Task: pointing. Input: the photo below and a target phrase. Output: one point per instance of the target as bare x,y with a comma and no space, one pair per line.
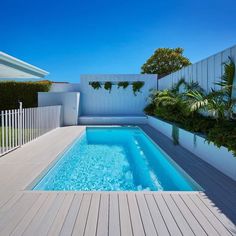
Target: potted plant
137,85
108,86
95,84
123,84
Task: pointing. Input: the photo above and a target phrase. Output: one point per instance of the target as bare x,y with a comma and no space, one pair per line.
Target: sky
73,37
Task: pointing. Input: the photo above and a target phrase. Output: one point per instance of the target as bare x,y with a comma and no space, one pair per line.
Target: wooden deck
24,212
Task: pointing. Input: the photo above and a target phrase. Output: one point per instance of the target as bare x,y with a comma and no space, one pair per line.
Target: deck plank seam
118,202
13,228
150,213
171,214
205,215
108,226
35,214
161,215
182,214
67,214
193,215
90,201
215,214
19,220
27,213
126,196
14,203
118,199
77,214
140,215
58,212
98,214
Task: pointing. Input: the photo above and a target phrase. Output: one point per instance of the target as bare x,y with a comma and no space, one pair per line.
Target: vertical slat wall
119,102
205,72
20,126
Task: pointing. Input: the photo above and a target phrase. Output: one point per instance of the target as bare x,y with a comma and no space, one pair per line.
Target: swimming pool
115,159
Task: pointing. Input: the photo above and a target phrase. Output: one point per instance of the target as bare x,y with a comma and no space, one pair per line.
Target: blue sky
69,38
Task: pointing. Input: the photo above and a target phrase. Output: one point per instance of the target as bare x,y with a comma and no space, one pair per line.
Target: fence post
20,125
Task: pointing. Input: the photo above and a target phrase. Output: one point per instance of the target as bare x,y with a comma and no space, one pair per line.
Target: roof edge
21,64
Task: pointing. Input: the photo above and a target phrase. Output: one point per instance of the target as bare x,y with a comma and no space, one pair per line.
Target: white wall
220,158
206,72
68,100
119,101
65,87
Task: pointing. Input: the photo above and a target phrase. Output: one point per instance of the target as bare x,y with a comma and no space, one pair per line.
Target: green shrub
137,85
12,92
223,135
123,84
95,84
108,86
174,106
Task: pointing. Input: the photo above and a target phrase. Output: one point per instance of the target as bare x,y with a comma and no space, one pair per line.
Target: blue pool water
115,159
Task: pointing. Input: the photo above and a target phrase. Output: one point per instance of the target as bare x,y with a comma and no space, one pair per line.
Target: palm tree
218,103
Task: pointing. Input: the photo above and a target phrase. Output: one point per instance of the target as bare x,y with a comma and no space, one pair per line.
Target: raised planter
220,158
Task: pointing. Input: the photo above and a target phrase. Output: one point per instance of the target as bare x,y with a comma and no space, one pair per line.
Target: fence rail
20,126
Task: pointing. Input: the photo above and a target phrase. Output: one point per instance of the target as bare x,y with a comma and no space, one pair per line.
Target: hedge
11,92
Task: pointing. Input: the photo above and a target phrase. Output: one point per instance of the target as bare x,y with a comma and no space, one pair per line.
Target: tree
165,61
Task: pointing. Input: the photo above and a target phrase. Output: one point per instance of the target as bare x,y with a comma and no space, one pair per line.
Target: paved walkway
24,212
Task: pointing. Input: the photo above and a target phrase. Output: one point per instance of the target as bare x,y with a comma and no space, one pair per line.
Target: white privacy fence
206,72
20,126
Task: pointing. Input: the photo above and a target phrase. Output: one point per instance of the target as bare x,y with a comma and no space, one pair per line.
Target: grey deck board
48,219
25,212
70,219
80,224
215,222
125,221
92,220
172,226
210,230
62,213
102,225
157,218
114,215
38,218
178,216
147,220
14,216
23,224
136,221
212,181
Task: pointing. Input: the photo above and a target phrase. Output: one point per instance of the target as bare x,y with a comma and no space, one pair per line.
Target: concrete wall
220,158
119,101
69,102
206,72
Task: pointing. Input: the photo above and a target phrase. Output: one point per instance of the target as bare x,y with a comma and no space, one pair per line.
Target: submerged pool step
111,120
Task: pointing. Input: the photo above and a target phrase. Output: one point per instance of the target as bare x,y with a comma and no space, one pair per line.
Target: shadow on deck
219,188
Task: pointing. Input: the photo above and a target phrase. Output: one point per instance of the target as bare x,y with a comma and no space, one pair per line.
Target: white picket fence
20,126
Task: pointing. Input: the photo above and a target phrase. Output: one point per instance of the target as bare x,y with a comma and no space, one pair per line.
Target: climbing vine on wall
136,85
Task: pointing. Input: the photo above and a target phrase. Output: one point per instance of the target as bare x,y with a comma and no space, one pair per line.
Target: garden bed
219,157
